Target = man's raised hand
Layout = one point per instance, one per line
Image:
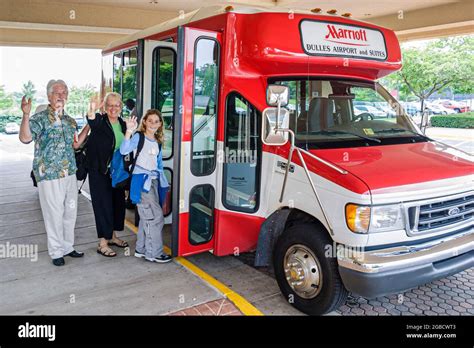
(26, 106)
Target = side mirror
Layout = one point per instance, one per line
(277, 95)
(273, 121)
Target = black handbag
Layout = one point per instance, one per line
(32, 176)
(81, 163)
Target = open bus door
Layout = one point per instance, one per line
(195, 161)
(159, 83)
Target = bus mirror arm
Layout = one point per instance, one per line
(287, 169)
(290, 155)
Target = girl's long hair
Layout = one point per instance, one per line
(159, 133)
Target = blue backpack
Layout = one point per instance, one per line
(122, 166)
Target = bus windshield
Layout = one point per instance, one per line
(341, 113)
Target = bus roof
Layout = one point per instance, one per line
(201, 13)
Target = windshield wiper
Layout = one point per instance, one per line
(326, 132)
(399, 130)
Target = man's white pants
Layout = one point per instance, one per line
(58, 199)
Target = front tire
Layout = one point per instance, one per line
(308, 278)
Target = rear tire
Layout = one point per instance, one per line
(308, 278)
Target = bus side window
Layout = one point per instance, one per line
(129, 82)
(117, 84)
(125, 79)
(163, 89)
(107, 73)
(206, 76)
(241, 158)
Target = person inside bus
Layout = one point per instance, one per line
(130, 106)
(149, 185)
(108, 203)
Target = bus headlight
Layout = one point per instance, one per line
(371, 219)
(358, 218)
(386, 218)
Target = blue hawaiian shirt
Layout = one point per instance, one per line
(54, 137)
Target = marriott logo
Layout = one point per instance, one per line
(340, 33)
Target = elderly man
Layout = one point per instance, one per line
(54, 167)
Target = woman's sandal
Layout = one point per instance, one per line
(106, 251)
(120, 244)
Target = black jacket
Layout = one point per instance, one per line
(101, 143)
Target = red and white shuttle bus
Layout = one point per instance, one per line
(267, 150)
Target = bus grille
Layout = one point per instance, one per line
(428, 217)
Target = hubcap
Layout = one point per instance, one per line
(302, 271)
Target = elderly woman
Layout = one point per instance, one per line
(107, 133)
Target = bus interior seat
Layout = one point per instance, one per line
(302, 122)
(342, 107)
(320, 115)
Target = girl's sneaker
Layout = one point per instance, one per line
(139, 255)
(160, 259)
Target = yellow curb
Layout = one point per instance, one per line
(240, 302)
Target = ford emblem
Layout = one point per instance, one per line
(453, 211)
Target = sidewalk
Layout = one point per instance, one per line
(451, 133)
(95, 285)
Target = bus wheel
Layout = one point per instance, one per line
(308, 278)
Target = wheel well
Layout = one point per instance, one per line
(275, 225)
(299, 217)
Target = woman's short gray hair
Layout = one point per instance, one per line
(113, 95)
(51, 83)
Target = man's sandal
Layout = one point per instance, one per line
(106, 251)
(120, 244)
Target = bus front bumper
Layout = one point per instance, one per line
(393, 270)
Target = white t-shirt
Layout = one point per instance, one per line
(148, 155)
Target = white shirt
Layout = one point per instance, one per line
(148, 155)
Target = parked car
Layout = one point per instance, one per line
(439, 109)
(411, 108)
(385, 107)
(12, 128)
(371, 110)
(454, 105)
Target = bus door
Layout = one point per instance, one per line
(195, 161)
(159, 83)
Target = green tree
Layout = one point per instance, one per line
(395, 82)
(165, 84)
(78, 99)
(6, 101)
(129, 82)
(28, 89)
(441, 63)
(463, 47)
(206, 79)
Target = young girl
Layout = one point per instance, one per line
(148, 183)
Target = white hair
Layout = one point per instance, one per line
(112, 95)
(51, 83)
